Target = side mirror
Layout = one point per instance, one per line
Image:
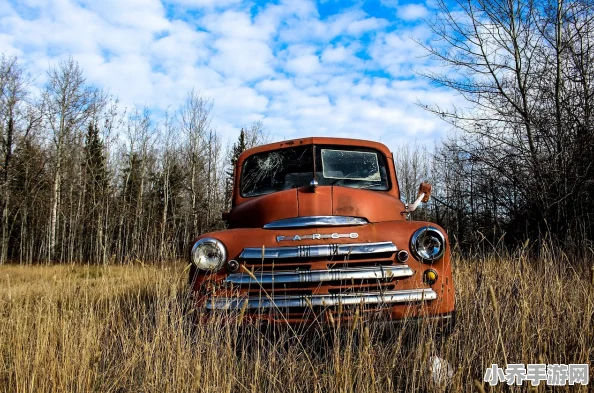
(424, 188)
(423, 196)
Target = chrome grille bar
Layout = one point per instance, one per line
(315, 221)
(286, 277)
(318, 250)
(387, 297)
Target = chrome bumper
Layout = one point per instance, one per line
(288, 277)
(387, 297)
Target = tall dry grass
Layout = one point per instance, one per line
(126, 329)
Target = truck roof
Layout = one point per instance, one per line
(314, 141)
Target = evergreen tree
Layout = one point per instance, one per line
(95, 189)
(238, 148)
(131, 195)
(95, 167)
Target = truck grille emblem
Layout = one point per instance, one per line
(318, 236)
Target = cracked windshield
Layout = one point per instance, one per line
(285, 169)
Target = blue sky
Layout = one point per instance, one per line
(302, 67)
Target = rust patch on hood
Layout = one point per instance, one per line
(375, 206)
(345, 206)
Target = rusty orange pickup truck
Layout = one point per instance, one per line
(317, 226)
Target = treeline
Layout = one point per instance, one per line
(520, 165)
(83, 179)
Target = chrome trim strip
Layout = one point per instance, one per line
(285, 277)
(315, 221)
(318, 236)
(402, 296)
(318, 250)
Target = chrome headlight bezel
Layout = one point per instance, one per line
(420, 234)
(209, 241)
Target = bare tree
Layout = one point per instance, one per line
(256, 134)
(412, 168)
(169, 152)
(525, 70)
(14, 117)
(194, 120)
(67, 104)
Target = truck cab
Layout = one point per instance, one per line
(316, 227)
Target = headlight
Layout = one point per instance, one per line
(427, 244)
(209, 254)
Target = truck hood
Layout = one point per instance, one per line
(375, 206)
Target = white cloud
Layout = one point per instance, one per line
(138, 14)
(244, 59)
(399, 54)
(302, 73)
(336, 54)
(8, 47)
(233, 24)
(205, 3)
(412, 11)
(364, 25)
(275, 85)
(241, 48)
(180, 45)
(351, 23)
(389, 3)
(307, 64)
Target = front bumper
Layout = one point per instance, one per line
(303, 301)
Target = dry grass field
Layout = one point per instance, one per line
(126, 329)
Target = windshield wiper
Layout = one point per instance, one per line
(375, 184)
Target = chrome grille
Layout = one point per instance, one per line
(318, 251)
(319, 274)
(316, 276)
